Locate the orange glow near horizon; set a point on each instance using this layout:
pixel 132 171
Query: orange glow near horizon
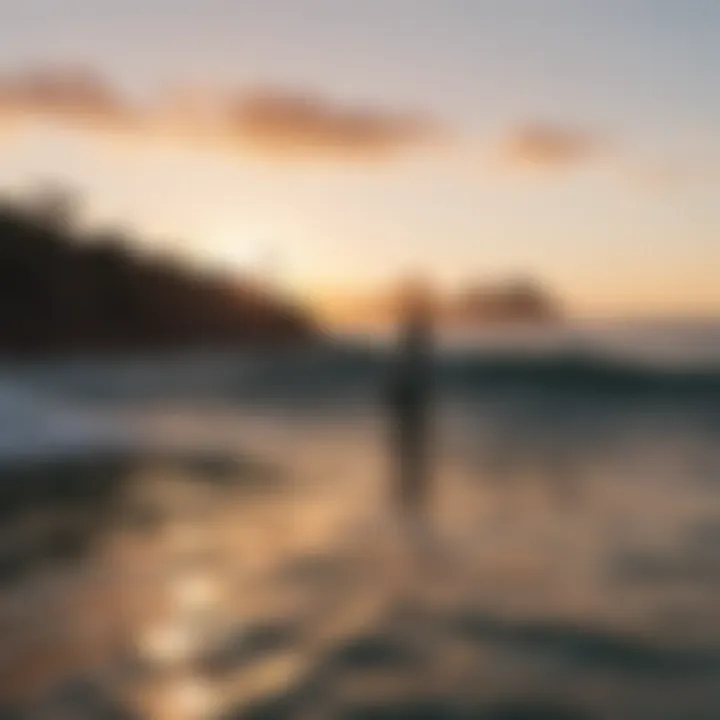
pixel 310 175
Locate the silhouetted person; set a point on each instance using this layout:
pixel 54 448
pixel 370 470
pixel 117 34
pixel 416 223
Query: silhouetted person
pixel 410 399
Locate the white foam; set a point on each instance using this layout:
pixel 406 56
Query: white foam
pixel 35 427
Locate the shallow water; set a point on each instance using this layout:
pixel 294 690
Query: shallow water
pixel 569 566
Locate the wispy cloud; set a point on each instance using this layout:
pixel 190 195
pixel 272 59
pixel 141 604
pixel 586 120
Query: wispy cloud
pixel 268 124
pixel 286 124
pixel 549 147
pixel 78 96
pixel 278 125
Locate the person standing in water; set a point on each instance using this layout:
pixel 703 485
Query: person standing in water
pixel 410 396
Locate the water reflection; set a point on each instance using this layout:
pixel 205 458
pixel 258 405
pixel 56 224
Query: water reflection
pixel 285 588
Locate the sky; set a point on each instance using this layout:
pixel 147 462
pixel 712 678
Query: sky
pixel 342 143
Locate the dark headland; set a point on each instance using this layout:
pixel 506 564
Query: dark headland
pixel 66 289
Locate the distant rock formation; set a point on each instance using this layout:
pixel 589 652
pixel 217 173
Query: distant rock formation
pixel 516 301
pixel 63 289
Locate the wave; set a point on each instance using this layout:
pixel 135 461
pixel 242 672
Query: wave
pixel 579 374
pixel 339 373
pixel 347 372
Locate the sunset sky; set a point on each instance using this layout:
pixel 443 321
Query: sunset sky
pixel 347 141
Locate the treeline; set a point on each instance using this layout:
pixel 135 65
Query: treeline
pixel 66 289
pixel 523 300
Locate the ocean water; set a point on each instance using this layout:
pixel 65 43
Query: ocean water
pixel 213 535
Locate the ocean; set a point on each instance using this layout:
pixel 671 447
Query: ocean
pixel 212 535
